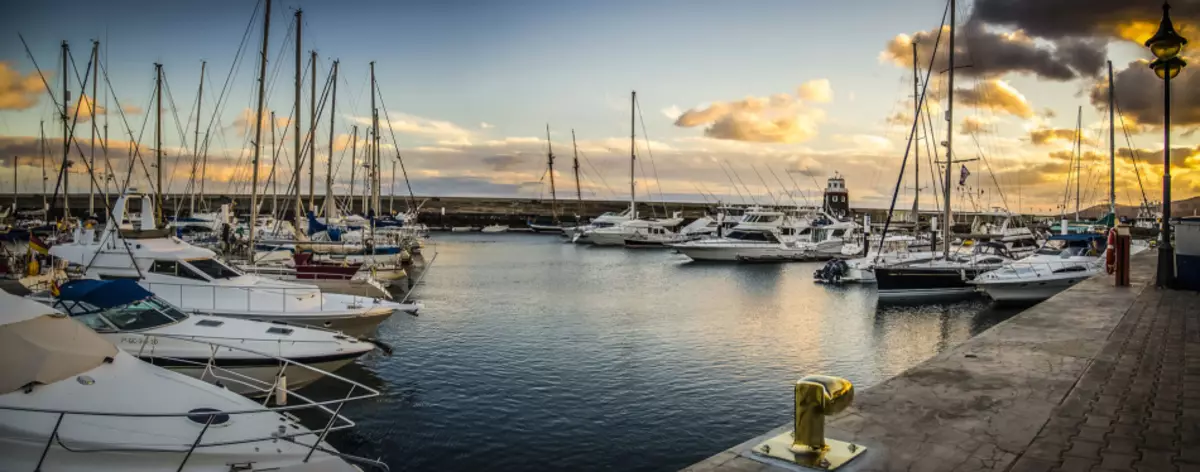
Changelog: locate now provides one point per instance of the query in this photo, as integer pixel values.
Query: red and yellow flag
(37, 245)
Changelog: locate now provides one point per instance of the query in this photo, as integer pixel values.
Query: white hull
(264, 374)
(1028, 290)
(727, 253)
(609, 238)
(921, 295)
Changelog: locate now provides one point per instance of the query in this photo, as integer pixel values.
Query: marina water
(532, 354)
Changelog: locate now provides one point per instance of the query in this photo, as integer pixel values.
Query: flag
(37, 245)
(54, 290)
(962, 179)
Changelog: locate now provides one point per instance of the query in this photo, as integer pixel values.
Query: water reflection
(537, 355)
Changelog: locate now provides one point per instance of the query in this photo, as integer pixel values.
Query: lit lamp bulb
(1166, 43)
(1168, 68)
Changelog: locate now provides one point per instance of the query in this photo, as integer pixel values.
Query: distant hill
(1188, 207)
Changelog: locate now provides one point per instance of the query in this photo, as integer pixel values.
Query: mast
(42, 155)
(14, 208)
(392, 192)
(92, 159)
(374, 154)
(158, 188)
(632, 153)
(578, 192)
(262, 74)
(1112, 149)
(66, 139)
(274, 178)
(196, 140)
(946, 225)
(550, 163)
(916, 143)
(298, 167)
(353, 163)
(312, 132)
(330, 203)
(1079, 155)
(108, 175)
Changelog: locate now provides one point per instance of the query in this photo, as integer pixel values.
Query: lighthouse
(837, 198)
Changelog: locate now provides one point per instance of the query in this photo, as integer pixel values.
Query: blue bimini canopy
(103, 294)
(1079, 237)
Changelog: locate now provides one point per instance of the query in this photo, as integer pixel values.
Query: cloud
(815, 91)
(780, 118)
(444, 132)
(1140, 96)
(1056, 136)
(672, 112)
(18, 92)
(996, 95)
(244, 123)
(86, 109)
(973, 124)
(485, 125)
(502, 162)
(992, 53)
(1131, 20)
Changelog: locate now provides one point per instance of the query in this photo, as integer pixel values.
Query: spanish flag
(37, 245)
(54, 290)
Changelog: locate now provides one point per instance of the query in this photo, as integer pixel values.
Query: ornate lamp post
(1166, 45)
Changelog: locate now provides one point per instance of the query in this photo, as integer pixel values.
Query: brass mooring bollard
(816, 396)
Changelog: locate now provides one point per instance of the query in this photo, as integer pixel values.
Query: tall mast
(366, 197)
(632, 153)
(353, 164)
(66, 139)
(92, 159)
(298, 167)
(108, 175)
(550, 163)
(274, 178)
(1079, 155)
(392, 192)
(158, 187)
(946, 225)
(258, 113)
(1112, 148)
(916, 143)
(196, 139)
(578, 192)
(330, 203)
(14, 207)
(42, 155)
(374, 155)
(312, 132)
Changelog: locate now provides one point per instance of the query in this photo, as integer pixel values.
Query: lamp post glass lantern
(1166, 44)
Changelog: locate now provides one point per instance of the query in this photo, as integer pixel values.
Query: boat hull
(1027, 291)
(728, 254)
(918, 284)
(259, 369)
(352, 323)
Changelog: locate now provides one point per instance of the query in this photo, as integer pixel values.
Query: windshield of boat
(139, 315)
(213, 268)
(1064, 248)
(761, 218)
(753, 236)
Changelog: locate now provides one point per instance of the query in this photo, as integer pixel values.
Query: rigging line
(412, 198)
(241, 177)
(69, 131)
(646, 186)
(735, 187)
(233, 68)
(1132, 150)
(912, 134)
(182, 136)
(598, 174)
(646, 137)
(307, 147)
(1000, 190)
(935, 174)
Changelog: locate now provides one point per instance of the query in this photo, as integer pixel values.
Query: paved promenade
(1097, 378)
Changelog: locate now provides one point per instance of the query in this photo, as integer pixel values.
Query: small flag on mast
(37, 245)
(962, 179)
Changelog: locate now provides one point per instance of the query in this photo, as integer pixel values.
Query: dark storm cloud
(502, 162)
(1140, 96)
(1058, 19)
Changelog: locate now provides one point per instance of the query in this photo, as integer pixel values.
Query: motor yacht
(654, 236)
(941, 278)
(70, 400)
(494, 229)
(760, 233)
(196, 281)
(579, 234)
(1062, 262)
(150, 328)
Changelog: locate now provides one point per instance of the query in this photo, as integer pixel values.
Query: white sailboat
(193, 279)
(70, 400)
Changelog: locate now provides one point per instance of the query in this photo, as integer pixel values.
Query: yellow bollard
(816, 396)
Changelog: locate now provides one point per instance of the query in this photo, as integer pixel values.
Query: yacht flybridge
(71, 401)
(193, 279)
(148, 327)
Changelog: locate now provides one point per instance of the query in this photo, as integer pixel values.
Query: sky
(738, 101)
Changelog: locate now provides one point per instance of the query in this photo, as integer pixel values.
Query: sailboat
(193, 279)
(553, 223)
(948, 277)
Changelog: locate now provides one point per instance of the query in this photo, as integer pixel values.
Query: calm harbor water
(532, 354)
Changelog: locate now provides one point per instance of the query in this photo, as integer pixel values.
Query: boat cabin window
(144, 314)
(213, 268)
(174, 269)
(837, 233)
(753, 236)
(761, 218)
(787, 231)
(1064, 248)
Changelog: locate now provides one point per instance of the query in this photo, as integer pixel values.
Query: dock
(1099, 377)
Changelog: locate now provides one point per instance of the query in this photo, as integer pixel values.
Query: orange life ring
(1110, 252)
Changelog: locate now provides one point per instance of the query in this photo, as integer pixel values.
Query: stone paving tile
(1146, 415)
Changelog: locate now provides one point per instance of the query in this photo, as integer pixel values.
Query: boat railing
(231, 297)
(277, 390)
(1035, 270)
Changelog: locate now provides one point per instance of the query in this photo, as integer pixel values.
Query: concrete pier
(1065, 385)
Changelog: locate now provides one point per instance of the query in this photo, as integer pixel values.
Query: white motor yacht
(616, 235)
(148, 327)
(193, 279)
(579, 234)
(761, 233)
(70, 401)
(941, 278)
(1062, 262)
(494, 229)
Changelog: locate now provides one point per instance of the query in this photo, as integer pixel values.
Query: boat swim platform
(981, 405)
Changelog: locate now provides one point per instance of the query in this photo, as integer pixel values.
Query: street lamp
(1166, 45)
